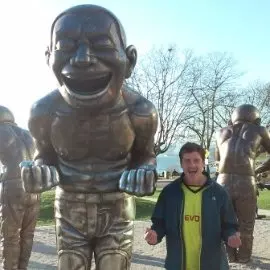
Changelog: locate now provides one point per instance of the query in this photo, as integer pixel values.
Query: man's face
(88, 59)
(192, 165)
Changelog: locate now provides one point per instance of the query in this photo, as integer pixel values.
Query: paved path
(145, 256)
(264, 212)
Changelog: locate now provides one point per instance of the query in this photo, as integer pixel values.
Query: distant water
(168, 163)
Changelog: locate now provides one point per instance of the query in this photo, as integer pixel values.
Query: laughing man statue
(94, 140)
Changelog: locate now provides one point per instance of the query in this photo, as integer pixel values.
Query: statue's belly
(108, 137)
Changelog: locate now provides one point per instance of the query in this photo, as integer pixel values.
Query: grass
(264, 200)
(262, 157)
(46, 216)
(144, 206)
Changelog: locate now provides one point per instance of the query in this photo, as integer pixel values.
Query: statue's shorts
(96, 224)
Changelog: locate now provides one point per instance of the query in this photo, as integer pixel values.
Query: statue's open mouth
(88, 86)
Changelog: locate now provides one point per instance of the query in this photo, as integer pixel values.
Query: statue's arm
(140, 178)
(41, 174)
(145, 125)
(265, 145)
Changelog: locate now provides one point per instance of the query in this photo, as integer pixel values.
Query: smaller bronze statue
(18, 210)
(238, 145)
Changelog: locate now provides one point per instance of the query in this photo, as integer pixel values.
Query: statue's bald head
(87, 11)
(6, 116)
(84, 36)
(245, 113)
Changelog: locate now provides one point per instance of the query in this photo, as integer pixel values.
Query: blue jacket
(218, 222)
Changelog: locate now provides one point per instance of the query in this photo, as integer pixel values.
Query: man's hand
(150, 236)
(140, 182)
(234, 241)
(38, 177)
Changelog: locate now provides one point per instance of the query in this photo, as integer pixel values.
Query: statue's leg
(246, 213)
(232, 252)
(229, 187)
(72, 259)
(32, 206)
(115, 234)
(113, 259)
(72, 235)
(11, 215)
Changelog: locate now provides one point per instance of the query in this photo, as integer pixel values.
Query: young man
(195, 214)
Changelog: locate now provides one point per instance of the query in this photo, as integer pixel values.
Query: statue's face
(88, 59)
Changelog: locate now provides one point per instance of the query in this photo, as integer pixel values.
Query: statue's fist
(38, 177)
(140, 182)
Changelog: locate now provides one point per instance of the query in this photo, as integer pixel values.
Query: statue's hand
(139, 182)
(38, 177)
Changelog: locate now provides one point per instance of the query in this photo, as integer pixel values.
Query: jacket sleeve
(229, 224)
(158, 217)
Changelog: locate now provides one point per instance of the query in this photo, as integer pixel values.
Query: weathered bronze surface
(18, 210)
(94, 140)
(237, 147)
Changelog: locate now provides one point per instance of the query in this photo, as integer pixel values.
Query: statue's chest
(107, 136)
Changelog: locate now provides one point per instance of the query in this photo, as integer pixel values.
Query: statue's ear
(131, 53)
(47, 55)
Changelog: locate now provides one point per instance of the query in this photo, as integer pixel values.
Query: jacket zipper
(201, 230)
(181, 232)
(202, 224)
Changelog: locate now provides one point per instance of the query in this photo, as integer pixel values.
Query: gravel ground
(145, 256)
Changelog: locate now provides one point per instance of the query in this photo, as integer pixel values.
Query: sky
(235, 26)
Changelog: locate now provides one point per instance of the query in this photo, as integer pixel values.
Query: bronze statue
(94, 140)
(18, 210)
(237, 147)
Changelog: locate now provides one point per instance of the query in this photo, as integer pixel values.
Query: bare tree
(258, 94)
(162, 77)
(213, 79)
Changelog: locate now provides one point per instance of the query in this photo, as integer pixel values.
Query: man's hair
(190, 147)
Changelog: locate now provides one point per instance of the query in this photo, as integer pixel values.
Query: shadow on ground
(40, 266)
(257, 263)
(43, 248)
(147, 260)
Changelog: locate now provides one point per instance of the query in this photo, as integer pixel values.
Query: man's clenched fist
(150, 236)
(234, 241)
